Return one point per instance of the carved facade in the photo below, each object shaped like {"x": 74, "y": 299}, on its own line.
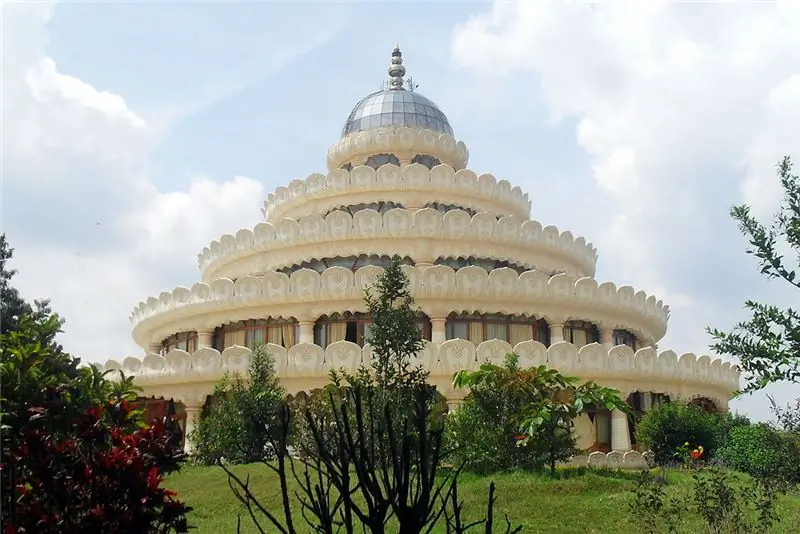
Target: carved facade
{"x": 486, "y": 278}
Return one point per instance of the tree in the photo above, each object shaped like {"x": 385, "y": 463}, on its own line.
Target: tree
{"x": 376, "y": 456}
{"x": 245, "y": 413}
{"x": 548, "y": 403}
{"x": 75, "y": 457}
{"x": 768, "y": 345}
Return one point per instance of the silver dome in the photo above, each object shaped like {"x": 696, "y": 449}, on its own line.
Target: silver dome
{"x": 396, "y": 107}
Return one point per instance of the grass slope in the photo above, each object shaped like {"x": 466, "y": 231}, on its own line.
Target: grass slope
{"x": 591, "y": 502}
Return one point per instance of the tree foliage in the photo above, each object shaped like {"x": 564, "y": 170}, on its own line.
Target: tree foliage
{"x": 376, "y": 455}
{"x": 666, "y": 427}
{"x": 541, "y": 402}
{"x": 75, "y": 456}
{"x": 768, "y": 344}
{"x": 245, "y": 412}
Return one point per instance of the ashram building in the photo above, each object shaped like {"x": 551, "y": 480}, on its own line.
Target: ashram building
{"x": 486, "y": 277}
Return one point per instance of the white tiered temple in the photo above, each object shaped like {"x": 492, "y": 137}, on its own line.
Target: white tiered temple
{"x": 487, "y": 278}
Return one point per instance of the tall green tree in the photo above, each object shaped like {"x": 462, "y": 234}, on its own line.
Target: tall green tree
{"x": 768, "y": 344}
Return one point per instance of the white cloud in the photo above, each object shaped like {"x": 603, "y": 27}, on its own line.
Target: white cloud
{"x": 91, "y": 231}
{"x": 683, "y": 110}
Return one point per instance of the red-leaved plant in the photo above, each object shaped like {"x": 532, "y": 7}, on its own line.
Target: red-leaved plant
{"x": 105, "y": 476}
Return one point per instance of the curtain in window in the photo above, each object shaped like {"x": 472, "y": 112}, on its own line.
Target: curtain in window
{"x": 320, "y": 332}
{"x": 457, "y": 330}
{"x": 497, "y": 331}
{"x": 579, "y": 337}
{"x": 476, "y": 332}
{"x": 274, "y": 334}
{"x": 288, "y": 335}
{"x": 337, "y": 331}
{"x": 520, "y": 333}
{"x": 255, "y": 337}
{"x": 234, "y": 338}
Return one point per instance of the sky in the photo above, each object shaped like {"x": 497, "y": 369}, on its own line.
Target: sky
{"x": 136, "y": 133}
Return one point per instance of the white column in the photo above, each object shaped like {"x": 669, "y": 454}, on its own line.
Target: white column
{"x": 306, "y": 331}
{"x": 556, "y": 333}
{"x": 204, "y": 338}
{"x": 607, "y": 338}
{"x": 438, "y": 329}
{"x": 154, "y": 348}
{"x": 583, "y": 431}
{"x": 620, "y": 438}
{"x": 192, "y": 420}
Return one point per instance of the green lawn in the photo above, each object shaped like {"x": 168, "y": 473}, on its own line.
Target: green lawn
{"x": 586, "y": 503}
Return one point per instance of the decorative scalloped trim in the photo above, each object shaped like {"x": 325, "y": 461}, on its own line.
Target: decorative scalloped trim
{"x": 502, "y": 289}
{"x": 409, "y": 185}
{"x": 510, "y": 238}
{"x": 399, "y": 139}
{"x": 686, "y": 376}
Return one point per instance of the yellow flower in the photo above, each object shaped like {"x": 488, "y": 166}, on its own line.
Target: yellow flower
{"x": 686, "y": 444}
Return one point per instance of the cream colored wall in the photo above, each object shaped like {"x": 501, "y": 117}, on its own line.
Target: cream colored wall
{"x": 424, "y": 235}
{"x": 438, "y": 290}
{"x": 191, "y": 377}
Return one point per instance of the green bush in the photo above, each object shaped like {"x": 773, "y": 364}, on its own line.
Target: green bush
{"x": 667, "y": 427}
{"x": 240, "y": 424}
{"x": 763, "y": 452}
{"x": 481, "y": 434}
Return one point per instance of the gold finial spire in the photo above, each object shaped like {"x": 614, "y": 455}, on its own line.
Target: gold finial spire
{"x": 396, "y": 70}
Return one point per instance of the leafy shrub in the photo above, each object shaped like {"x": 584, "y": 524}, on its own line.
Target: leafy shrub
{"x": 482, "y": 433}
{"x": 668, "y": 426}
{"x": 238, "y": 426}
{"x": 520, "y": 418}
{"x": 75, "y": 456}
{"x": 104, "y": 479}
{"x": 722, "y": 500}
{"x": 763, "y": 452}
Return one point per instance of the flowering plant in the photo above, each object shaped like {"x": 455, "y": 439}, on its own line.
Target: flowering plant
{"x": 689, "y": 455}
{"x": 106, "y": 476}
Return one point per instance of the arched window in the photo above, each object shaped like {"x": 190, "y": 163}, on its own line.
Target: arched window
{"x": 182, "y": 341}
{"x": 380, "y": 207}
{"x": 623, "y": 337}
{"x": 349, "y": 262}
{"x": 485, "y": 263}
{"x": 511, "y": 328}
{"x": 381, "y": 159}
{"x": 580, "y": 333}
{"x": 425, "y": 159}
{"x": 444, "y": 208}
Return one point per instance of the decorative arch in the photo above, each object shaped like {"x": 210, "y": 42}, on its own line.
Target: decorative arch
{"x": 426, "y": 160}
{"x": 489, "y": 264}
{"x": 624, "y": 337}
{"x": 377, "y": 160}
